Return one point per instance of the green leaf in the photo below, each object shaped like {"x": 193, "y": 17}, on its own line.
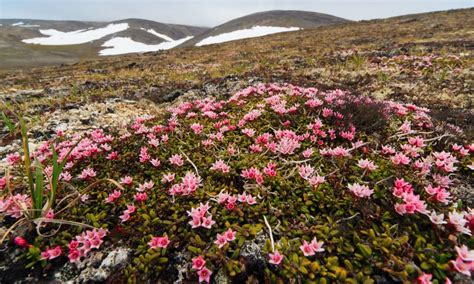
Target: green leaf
{"x": 39, "y": 182}
{"x": 365, "y": 250}
{"x": 8, "y": 122}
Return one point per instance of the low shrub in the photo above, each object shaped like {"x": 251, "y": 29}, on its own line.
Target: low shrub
{"x": 279, "y": 177}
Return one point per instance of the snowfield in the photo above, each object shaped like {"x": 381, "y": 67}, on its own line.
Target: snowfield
{"x": 56, "y": 37}
{"x": 123, "y": 45}
{"x": 153, "y": 32}
{"x": 255, "y": 31}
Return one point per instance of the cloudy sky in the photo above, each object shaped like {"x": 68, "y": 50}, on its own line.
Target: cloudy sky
{"x": 212, "y": 12}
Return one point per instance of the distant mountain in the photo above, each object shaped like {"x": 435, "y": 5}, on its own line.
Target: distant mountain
{"x": 25, "y": 43}
{"x": 263, "y": 23}
{"x": 44, "y": 42}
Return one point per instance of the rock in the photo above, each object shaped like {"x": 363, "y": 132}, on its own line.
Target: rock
{"x": 112, "y": 262}
{"x": 94, "y": 268}
{"x": 254, "y": 258}
{"x": 170, "y": 97}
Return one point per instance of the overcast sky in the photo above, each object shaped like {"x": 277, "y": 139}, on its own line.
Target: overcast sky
{"x": 212, "y": 12}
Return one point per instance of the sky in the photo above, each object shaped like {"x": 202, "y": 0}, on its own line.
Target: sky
{"x": 212, "y": 12}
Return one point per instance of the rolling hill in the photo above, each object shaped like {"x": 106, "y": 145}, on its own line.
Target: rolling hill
{"x": 26, "y": 43}
{"x": 264, "y": 23}
{"x": 31, "y": 43}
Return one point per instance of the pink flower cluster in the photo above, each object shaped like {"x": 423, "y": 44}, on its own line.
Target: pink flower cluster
{"x": 176, "y": 160}
{"x": 10, "y": 206}
{"x": 445, "y": 161}
{"x": 126, "y": 213}
{"x": 84, "y": 243}
{"x": 230, "y": 200}
{"x": 203, "y": 272}
{"x": 220, "y": 166}
{"x": 51, "y": 253}
{"x": 367, "y": 165}
{"x": 13, "y": 159}
{"x": 113, "y": 196}
{"x": 201, "y": 216}
{"x": 464, "y": 262}
{"x": 159, "y": 242}
{"x": 253, "y": 173}
{"x": 310, "y": 249}
{"x": 197, "y": 128}
{"x": 360, "y": 191}
{"x": 227, "y": 236}
{"x": 87, "y": 174}
{"x": 187, "y": 186}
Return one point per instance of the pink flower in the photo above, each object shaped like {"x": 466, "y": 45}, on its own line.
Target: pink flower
{"x": 287, "y": 146}
{"x": 221, "y": 166}
{"x": 305, "y": 171}
{"x": 465, "y": 254}
{"x": 198, "y": 263}
{"x": 13, "y": 159}
{"x": 437, "y": 219}
{"x": 21, "y": 242}
{"x": 308, "y": 152}
{"x": 400, "y": 159}
{"x": 400, "y": 208}
{"x": 140, "y": 197}
{"x": 204, "y": 275}
{"x": 51, "y": 253}
{"x": 144, "y": 156}
{"x": 126, "y": 213}
{"x": 167, "y": 178}
{"x": 307, "y": 249}
{"x": 176, "y": 160}
{"x": 317, "y": 246}
{"x": 367, "y": 164}
{"x": 360, "y": 190}
{"x": 49, "y": 214}
{"x": 197, "y": 128}
{"x": 388, "y": 150}
{"x": 425, "y": 278}
{"x": 229, "y": 235}
{"x": 207, "y": 222}
{"x": 276, "y": 257}
{"x": 3, "y": 183}
{"x": 113, "y": 196}
{"x": 248, "y": 132}
{"x": 270, "y": 169}
{"x": 253, "y": 173}
{"x": 87, "y": 174}
{"x": 155, "y": 163}
{"x": 112, "y": 156}
{"x": 127, "y": 180}
{"x": 221, "y": 240}
{"x": 463, "y": 267}
{"x": 459, "y": 222}
{"x": 316, "y": 180}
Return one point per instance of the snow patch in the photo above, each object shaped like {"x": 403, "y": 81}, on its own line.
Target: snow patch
{"x": 123, "y": 45}
{"x": 56, "y": 37}
{"x": 255, "y": 31}
{"x": 17, "y": 24}
{"x": 153, "y": 32}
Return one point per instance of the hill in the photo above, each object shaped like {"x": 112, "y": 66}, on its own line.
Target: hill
{"x": 26, "y": 43}
{"x": 278, "y": 19}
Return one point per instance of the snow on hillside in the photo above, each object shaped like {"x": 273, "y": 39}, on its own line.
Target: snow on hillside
{"x": 56, "y": 37}
{"x": 153, "y": 32}
{"x": 255, "y": 31}
{"x": 123, "y": 45}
